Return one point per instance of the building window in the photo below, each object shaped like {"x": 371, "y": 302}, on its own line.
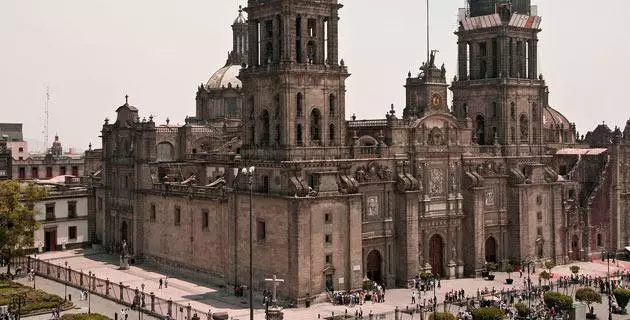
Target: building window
{"x": 539, "y": 216}
{"x": 75, "y": 171}
{"x": 72, "y": 209}
{"x": 328, "y": 218}
{"x": 72, "y": 233}
{"x": 265, "y": 184}
{"x": 49, "y": 172}
{"x": 311, "y": 24}
{"x": 600, "y": 241}
{"x": 50, "y": 211}
{"x": 328, "y": 239}
{"x": 329, "y": 259}
{"x": 22, "y": 173}
{"x": 178, "y": 215}
{"x": 62, "y": 171}
{"x": 20, "y": 149}
{"x": 261, "y": 232}
{"x": 100, "y": 204}
{"x": 299, "y": 106}
{"x": 331, "y": 105}
{"x": 20, "y": 158}
{"x": 539, "y": 200}
{"x": 153, "y": 213}
{"x": 205, "y": 219}
{"x": 34, "y": 173}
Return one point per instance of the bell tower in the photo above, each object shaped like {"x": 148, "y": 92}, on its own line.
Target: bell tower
{"x": 293, "y": 84}
{"x": 497, "y": 84}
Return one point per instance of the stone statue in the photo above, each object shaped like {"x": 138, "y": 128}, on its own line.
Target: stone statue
{"x": 124, "y": 247}
{"x": 124, "y": 257}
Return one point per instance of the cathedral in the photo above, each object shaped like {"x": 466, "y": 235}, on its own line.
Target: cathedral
{"x": 497, "y": 176}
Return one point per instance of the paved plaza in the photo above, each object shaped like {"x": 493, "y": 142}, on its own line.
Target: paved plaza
{"x": 206, "y": 297}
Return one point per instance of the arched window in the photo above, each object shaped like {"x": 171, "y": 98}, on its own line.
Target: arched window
{"x": 298, "y": 134}
{"x": 480, "y": 131}
{"x": 264, "y": 121}
{"x": 331, "y": 133}
{"x": 316, "y": 119}
{"x": 524, "y": 124}
{"x": 331, "y": 104}
{"x": 311, "y": 51}
{"x": 299, "y": 102}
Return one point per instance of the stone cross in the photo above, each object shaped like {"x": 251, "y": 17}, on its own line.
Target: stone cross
{"x": 275, "y": 281}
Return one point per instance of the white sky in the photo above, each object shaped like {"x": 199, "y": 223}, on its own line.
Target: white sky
{"x": 93, "y": 52}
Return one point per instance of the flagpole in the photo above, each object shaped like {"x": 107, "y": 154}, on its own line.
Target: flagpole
{"x": 428, "y": 35}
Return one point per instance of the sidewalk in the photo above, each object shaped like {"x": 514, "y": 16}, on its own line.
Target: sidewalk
{"x": 203, "y": 296}
{"x": 97, "y": 304}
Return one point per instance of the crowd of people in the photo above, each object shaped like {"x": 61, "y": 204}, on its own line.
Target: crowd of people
{"x": 374, "y": 294}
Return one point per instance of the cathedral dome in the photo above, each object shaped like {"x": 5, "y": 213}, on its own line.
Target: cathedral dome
{"x": 224, "y": 78}
{"x": 552, "y": 118}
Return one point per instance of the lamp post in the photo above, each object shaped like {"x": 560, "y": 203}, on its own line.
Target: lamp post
{"x": 89, "y": 291}
{"x": 17, "y": 301}
{"x": 65, "y": 283}
{"x": 433, "y": 280}
{"x": 529, "y": 264}
{"x": 607, "y": 256}
{"x": 249, "y": 173}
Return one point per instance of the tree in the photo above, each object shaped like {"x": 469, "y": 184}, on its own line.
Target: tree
{"x": 17, "y": 217}
{"x": 549, "y": 264}
{"x": 545, "y": 275}
{"x": 575, "y": 269}
{"x": 622, "y": 296}
{"x": 522, "y": 309}
{"x": 588, "y": 296}
{"x": 442, "y": 316}
{"x": 558, "y": 300}
{"x": 488, "y": 313}
{"x": 509, "y": 268}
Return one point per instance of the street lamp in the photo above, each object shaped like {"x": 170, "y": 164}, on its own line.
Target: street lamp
{"x": 17, "y": 301}
{"x": 529, "y": 264}
{"x": 65, "y": 284}
{"x": 433, "y": 282}
{"x": 249, "y": 173}
{"x": 607, "y": 256}
{"x": 89, "y": 291}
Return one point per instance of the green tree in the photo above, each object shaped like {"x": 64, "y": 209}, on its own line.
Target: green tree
{"x": 549, "y": 264}
{"x": 558, "y": 300}
{"x": 545, "y": 275}
{"x": 442, "y": 316}
{"x": 509, "y": 268}
{"x": 522, "y": 309}
{"x": 489, "y": 313}
{"x": 622, "y": 296}
{"x": 588, "y": 296}
{"x": 17, "y": 217}
{"x": 491, "y": 266}
{"x": 575, "y": 269}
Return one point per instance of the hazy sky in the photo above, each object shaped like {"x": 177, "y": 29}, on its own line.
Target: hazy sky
{"x": 93, "y": 52}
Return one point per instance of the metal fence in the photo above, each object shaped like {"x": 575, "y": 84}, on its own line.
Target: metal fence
{"x": 146, "y": 302}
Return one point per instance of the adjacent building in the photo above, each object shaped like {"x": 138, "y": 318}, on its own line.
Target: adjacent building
{"x": 498, "y": 176}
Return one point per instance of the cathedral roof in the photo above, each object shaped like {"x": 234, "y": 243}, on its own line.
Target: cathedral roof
{"x": 224, "y": 78}
{"x": 553, "y": 118}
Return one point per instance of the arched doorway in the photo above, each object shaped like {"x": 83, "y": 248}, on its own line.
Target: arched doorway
{"x": 575, "y": 247}
{"x": 491, "y": 250}
{"x": 374, "y": 261}
{"x": 436, "y": 252}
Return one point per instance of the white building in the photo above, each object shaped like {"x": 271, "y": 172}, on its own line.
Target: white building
{"x": 62, "y": 215}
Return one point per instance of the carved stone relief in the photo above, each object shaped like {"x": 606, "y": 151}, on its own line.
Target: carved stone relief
{"x": 490, "y": 199}
{"x": 372, "y": 206}
{"x": 437, "y": 182}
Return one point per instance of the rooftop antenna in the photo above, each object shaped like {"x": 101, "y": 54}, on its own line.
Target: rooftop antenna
{"x": 46, "y": 116}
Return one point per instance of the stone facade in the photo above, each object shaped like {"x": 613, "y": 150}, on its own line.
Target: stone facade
{"x": 499, "y": 176}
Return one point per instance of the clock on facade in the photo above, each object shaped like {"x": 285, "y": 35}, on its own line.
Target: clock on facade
{"x": 436, "y": 100}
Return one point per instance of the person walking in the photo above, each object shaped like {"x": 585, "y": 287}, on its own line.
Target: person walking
{"x": 413, "y": 297}
{"x": 166, "y": 282}
{"x": 160, "y": 287}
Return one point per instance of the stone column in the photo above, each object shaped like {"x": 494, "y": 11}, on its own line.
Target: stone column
{"x": 333, "y": 39}
{"x": 462, "y": 59}
{"x": 121, "y": 287}
{"x": 152, "y": 302}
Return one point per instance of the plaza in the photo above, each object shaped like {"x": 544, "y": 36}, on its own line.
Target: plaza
{"x": 184, "y": 288}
